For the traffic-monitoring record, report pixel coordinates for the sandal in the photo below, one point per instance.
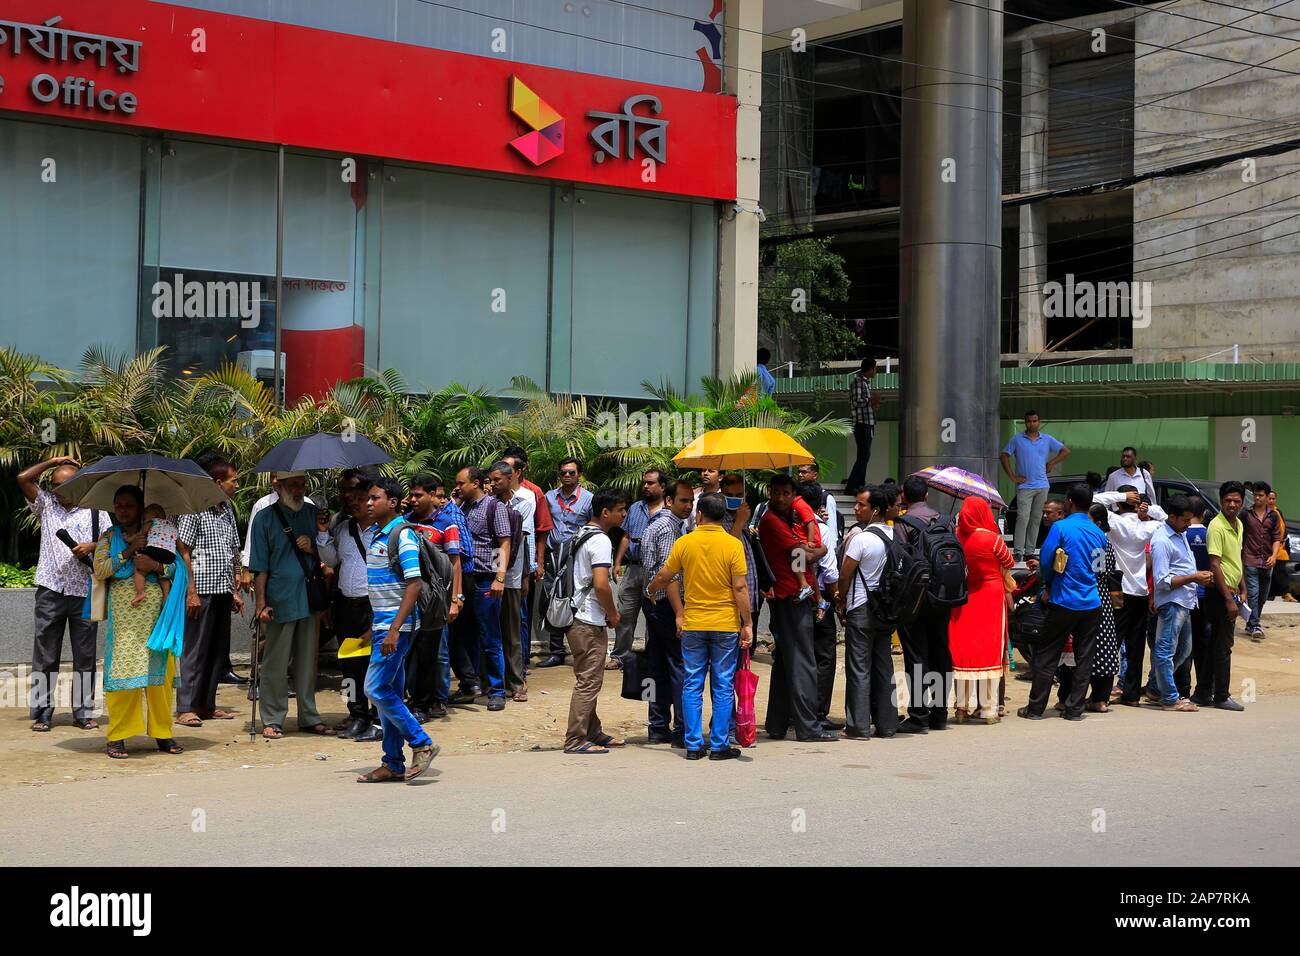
(1097, 707)
(606, 740)
(1183, 706)
(116, 749)
(613, 665)
(381, 774)
(219, 714)
(40, 727)
(587, 747)
(320, 730)
(87, 723)
(189, 719)
(169, 746)
(421, 757)
(272, 732)
(521, 695)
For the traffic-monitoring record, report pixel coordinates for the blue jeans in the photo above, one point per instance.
(713, 652)
(385, 683)
(1258, 582)
(487, 611)
(1173, 647)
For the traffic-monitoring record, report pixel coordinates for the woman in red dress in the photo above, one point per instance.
(977, 630)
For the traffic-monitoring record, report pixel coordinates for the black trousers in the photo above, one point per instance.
(664, 650)
(54, 612)
(1063, 622)
(1131, 632)
(862, 435)
(463, 650)
(793, 695)
(868, 674)
(1214, 663)
(207, 648)
(1099, 686)
(354, 688)
(422, 670)
(824, 654)
(927, 665)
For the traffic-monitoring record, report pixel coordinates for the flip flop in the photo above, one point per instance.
(374, 776)
(421, 757)
(87, 723)
(220, 714)
(588, 747)
(40, 727)
(606, 740)
(194, 721)
(170, 746)
(320, 730)
(612, 665)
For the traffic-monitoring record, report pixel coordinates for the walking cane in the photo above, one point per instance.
(259, 630)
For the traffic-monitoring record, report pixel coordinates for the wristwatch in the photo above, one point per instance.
(458, 598)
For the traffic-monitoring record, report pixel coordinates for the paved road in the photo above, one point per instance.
(1209, 788)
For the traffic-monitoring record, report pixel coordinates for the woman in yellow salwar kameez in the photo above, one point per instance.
(138, 681)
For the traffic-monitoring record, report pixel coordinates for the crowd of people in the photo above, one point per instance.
(1106, 574)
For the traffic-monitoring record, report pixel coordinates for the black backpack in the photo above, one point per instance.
(939, 546)
(904, 581)
(434, 603)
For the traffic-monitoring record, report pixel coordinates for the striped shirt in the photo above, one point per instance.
(386, 588)
(486, 541)
(657, 543)
(448, 515)
(634, 525)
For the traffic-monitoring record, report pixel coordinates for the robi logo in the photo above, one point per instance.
(546, 141)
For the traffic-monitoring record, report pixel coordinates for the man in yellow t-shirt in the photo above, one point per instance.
(713, 623)
(1223, 600)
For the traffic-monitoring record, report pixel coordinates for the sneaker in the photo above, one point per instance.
(1257, 635)
(1229, 704)
(496, 703)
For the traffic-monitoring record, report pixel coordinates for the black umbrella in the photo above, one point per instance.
(179, 485)
(323, 450)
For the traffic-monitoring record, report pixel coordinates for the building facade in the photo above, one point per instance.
(1144, 160)
(463, 192)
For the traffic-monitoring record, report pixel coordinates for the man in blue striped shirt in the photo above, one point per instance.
(1173, 569)
(392, 599)
(1074, 604)
(627, 563)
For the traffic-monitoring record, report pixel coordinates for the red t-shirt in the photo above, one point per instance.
(779, 539)
(542, 520)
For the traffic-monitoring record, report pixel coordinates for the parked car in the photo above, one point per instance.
(1286, 575)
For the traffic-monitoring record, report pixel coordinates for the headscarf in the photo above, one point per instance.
(975, 515)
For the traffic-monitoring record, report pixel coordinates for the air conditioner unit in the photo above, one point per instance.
(260, 363)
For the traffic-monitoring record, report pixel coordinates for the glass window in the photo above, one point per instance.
(209, 276)
(69, 240)
(464, 279)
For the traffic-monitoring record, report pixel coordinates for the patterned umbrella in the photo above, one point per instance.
(961, 483)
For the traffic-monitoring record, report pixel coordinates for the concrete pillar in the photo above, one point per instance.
(951, 234)
(1034, 68)
(742, 54)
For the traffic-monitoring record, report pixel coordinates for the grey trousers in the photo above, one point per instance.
(511, 602)
(1029, 515)
(285, 639)
(630, 588)
(53, 612)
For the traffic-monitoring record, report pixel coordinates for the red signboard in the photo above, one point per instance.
(233, 77)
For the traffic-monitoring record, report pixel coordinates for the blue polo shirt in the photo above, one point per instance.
(1032, 457)
(1076, 588)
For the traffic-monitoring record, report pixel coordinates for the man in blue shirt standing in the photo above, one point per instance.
(392, 599)
(570, 507)
(766, 382)
(1036, 453)
(1074, 604)
(1173, 570)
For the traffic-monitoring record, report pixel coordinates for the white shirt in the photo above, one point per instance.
(1141, 481)
(56, 568)
(1129, 536)
(524, 502)
(259, 506)
(598, 552)
(868, 550)
(827, 572)
(337, 549)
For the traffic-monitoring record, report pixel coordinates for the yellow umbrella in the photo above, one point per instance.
(728, 449)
